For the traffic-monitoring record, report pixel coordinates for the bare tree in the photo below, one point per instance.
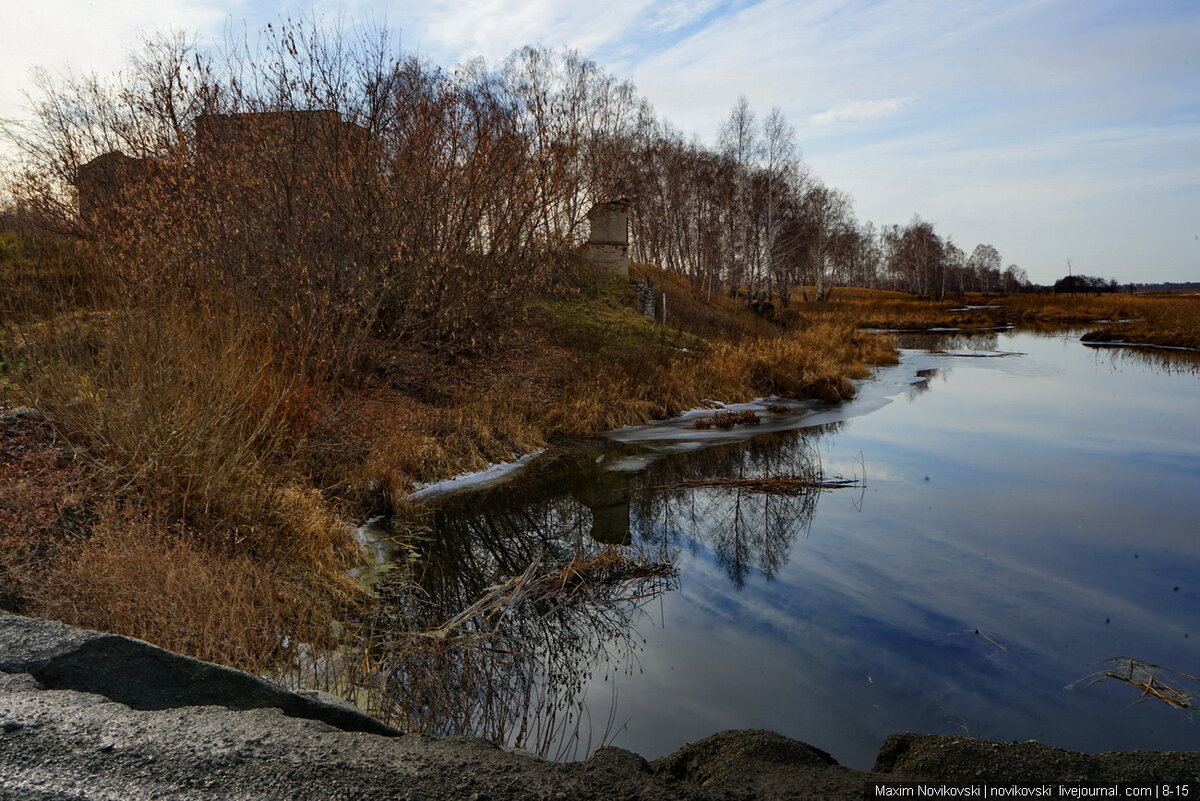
(985, 263)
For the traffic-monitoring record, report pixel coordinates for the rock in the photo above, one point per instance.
(144, 676)
(761, 764)
(968, 759)
(81, 746)
(618, 760)
(22, 414)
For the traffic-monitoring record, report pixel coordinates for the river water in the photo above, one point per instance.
(1030, 509)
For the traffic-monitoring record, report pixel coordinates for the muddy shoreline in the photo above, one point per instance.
(85, 715)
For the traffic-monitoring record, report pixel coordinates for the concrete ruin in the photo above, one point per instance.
(105, 183)
(305, 138)
(301, 144)
(608, 245)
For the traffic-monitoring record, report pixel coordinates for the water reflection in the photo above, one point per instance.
(1040, 499)
(457, 645)
(1043, 499)
(498, 616)
(958, 341)
(742, 528)
(1159, 360)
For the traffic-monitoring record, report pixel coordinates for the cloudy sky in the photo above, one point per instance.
(1049, 128)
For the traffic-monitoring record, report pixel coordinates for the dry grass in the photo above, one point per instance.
(165, 586)
(196, 438)
(817, 361)
(1156, 319)
(769, 484)
(1172, 687)
(867, 308)
(226, 459)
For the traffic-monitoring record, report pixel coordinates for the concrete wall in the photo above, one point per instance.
(608, 244)
(106, 182)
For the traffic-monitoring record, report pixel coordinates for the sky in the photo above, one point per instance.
(1051, 129)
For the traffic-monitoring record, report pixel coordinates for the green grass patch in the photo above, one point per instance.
(604, 316)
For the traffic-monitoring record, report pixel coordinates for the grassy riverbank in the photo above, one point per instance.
(197, 474)
(1166, 319)
(202, 462)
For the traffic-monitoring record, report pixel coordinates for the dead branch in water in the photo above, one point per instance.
(778, 484)
(1150, 679)
(609, 569)
(997, 354)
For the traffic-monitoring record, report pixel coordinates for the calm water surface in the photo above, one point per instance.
(1025, 517)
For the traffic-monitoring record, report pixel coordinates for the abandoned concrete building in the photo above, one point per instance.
(300, 144)
(305, 138)
(106, 182)
(289, 148)
(608, 245)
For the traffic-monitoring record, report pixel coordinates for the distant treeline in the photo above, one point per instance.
(1169, 286)
(1086, 283)
(1090, 284)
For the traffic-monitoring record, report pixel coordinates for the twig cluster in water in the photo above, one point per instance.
(609, 569)
(1150, 679)
(512, 666)
(745, 417)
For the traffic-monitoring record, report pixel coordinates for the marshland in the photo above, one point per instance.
(774, 469)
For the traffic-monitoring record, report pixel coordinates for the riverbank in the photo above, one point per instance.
(91, 716)
(1165, 320)
(185, 468)
(1161, 319)
(148, 502)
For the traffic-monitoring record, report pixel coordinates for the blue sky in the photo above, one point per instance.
(1049, 128)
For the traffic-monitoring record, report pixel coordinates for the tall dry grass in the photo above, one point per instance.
(816, 361)
(1171, 319)
(204, 434)
(158, 582)
(896, 310)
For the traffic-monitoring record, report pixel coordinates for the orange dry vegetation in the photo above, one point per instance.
(1171, 319)
(220, 464)
(868, 308)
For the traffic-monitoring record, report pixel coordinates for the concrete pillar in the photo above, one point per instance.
(608, 245)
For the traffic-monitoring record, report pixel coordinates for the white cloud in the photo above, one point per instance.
(91, 36)
(494, 28)
(859, 110)
(672, 16)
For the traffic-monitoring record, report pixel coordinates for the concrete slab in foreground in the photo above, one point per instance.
(93, 716)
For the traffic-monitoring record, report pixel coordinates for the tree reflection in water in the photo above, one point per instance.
(511, 598)
(496, 620)
(744, 529)
(1162, 360)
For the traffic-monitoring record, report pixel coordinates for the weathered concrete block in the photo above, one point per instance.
(144, 676)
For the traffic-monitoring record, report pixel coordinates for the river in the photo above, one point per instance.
(1030, 508)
